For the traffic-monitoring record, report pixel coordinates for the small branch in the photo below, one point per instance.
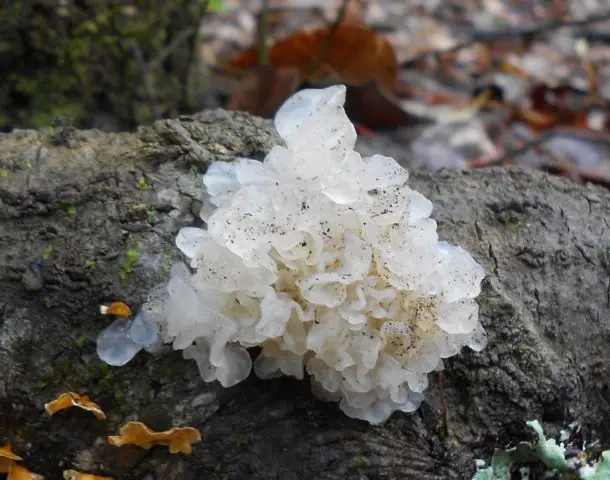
(515, 152)
(167, 51)
(263, 34)
(323, 52)
(148, 84)
(539, 140)
(185, 104)
(577, 173)
(511, 33)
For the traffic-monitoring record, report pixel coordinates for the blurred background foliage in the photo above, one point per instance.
(107, 64)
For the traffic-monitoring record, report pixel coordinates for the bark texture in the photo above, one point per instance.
(85, 201)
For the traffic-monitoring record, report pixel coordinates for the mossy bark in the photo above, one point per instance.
(107, 64)
(86, 201)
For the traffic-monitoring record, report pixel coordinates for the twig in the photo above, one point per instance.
(515, 152)
(575, 171)
(164, 53)
(543, 27)
(510, 33)
(263, 33)
(591, 136)
(185, 104)
(148, 84)
(323, 52)
(174, 44)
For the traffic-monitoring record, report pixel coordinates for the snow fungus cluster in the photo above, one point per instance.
(327, 261)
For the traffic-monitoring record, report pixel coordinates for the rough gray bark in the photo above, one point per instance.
(546, 305)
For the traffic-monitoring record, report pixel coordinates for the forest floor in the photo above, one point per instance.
(456, 84)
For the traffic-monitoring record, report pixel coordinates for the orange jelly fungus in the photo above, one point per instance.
(116, 309)
(179, 439)
(17, 472)
(71, 399)
(74, 475)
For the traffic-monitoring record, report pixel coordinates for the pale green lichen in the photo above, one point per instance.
(505, 463)
(69, 208)
(132, 256)
(549, 452)
(80, 341)
(46, 300)
(142, 183)
(90, 265)
(244, 442)
(602, 470)
(47, 252)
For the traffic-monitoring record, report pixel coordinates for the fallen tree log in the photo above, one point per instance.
(88, 217)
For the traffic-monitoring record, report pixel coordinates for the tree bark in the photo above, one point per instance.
(82, 199)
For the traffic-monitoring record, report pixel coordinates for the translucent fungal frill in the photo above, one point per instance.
(329, 262)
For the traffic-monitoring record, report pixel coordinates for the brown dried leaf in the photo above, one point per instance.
(374, 106)
(262, 90)
(353, 53)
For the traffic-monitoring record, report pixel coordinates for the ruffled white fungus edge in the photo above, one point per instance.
(326, 260)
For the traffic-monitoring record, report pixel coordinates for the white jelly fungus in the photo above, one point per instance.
(118, 343)
(326, 260)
